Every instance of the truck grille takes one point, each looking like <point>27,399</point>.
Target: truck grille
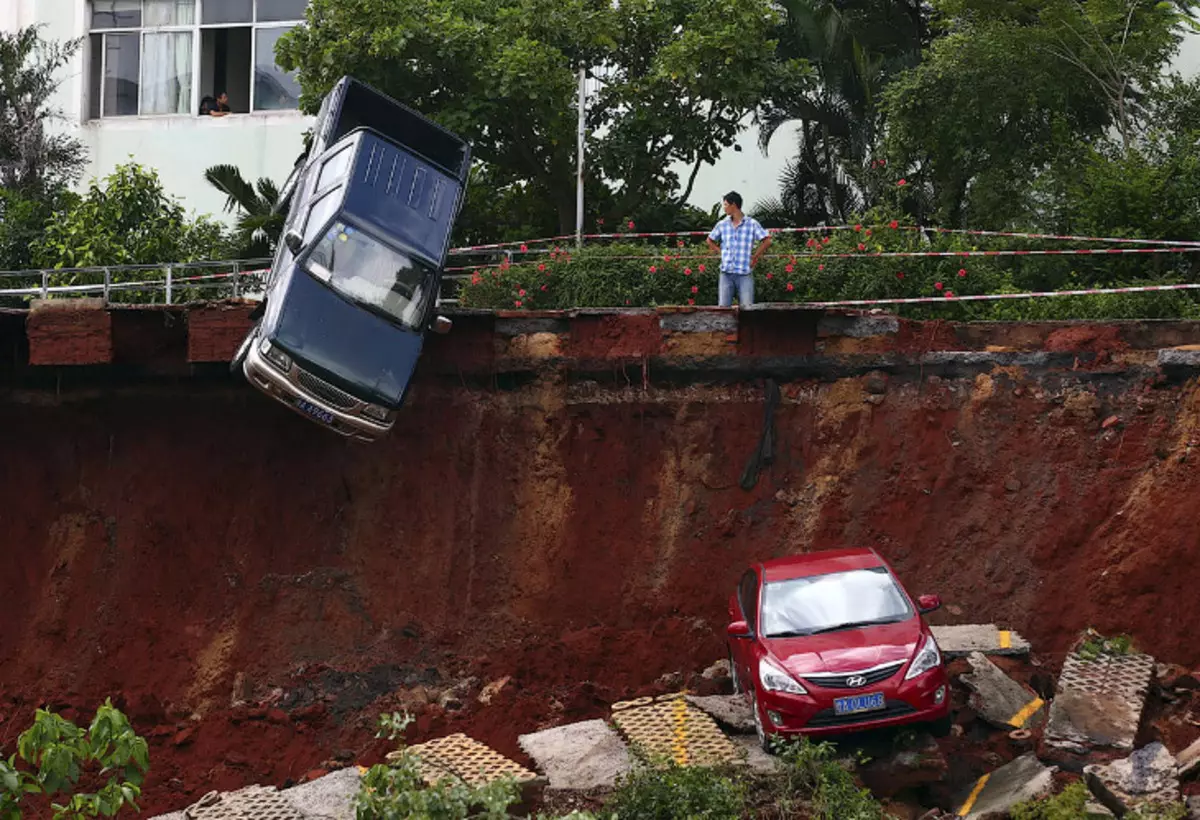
<point>840,681</point>
<point>324,390</point>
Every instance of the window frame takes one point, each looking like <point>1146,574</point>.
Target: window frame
<point>196,29</point>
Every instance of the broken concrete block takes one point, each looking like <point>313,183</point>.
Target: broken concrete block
<point>1189,761</point>
<point>1099,702</point>
<point>920,764</point>
<point>731,712</point>
<point>585,755</point>
<point>957,641</point>
<point>999,699</point>
<point>1145,777</point>
<point>1193,807</point>
<point>1096,811</point>
<point>330,797</point>
<point>1016,782</point>
<point>755,758</point>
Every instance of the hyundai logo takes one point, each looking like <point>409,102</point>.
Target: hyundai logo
<point>854,681</point>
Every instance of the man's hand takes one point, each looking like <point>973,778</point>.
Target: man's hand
<point>713,246</point>
<point>762,248</point>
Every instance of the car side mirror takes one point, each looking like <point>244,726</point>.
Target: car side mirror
<point>294,242</point>
<point>739,629</point>
<point>928,603</point>
<point>441,325</point>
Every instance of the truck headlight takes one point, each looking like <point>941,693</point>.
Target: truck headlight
<point>376,412</point>
<point>775,679</point>
<point>928,657</point>
<point>275,356</point>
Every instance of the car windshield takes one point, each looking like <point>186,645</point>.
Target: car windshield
<point>838,600</point>
<point>372,274</point>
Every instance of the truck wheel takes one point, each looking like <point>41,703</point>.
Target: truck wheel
<point>236,367</point>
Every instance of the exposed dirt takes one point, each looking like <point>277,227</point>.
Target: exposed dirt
<point>181,549</point>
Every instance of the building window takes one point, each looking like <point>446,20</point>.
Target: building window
<point>155,57</point>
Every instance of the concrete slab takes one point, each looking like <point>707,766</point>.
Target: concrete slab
<point>1099,702</point>
<point>999,699</point>
<point>963,639</point>
<point>731,712</point>
<point>329,798</point>
<point>994,794</point>
<point>1145,778</point>
<point>585,755</point>
<point>1189,761</point>
<point>752,755</point>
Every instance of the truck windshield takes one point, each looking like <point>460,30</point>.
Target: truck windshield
<point>370,273</point>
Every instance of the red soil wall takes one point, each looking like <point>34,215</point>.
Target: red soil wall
<point>181,548</point>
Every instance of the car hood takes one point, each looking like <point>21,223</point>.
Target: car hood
<point>848,650</point>
<point>343,343</point>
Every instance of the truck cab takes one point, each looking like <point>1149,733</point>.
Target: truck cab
<point>353,287</point>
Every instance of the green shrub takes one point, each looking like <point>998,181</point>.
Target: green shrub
<point>1096,645</point>
<point>673,792</point>
<point>1068,805</point>
<point>812,771</point>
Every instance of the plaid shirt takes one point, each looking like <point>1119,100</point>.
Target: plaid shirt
<point>737,244</point>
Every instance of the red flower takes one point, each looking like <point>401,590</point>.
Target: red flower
<point>893,224</point>
<point>820,267</point>
<point>938,286</point>
<point>521,292</point>
<point>666,257</point>
<point>626,301</point>
<point>475,280</point>
<point>861,246</point>
<point>902,183</point>
<point>542,266</point>
<point>789,268</point>
<point>700,268</point>
<point>524,247</point>
<point>691,301</point>
<point>868,231</point>
<point>949,294</point>
<point>687,271</point>
<point>543,287</point>
<point>695,288</point>
<point>825,241</point>
<point>679,244</point>
<point>810,243</point>
<point>790,286</point>
<point>962,272</point>
<point>653,269</point>
<point>883,162</point>
<point>899,274</point>
<point>770,276</point>
<point>600,221</point>
<point>517,303</point>
<point>857,228</point>
<point>631,224</point>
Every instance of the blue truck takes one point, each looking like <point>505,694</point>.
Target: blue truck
<point>354,284</point>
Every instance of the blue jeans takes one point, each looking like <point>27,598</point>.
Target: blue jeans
<point>744,282</point>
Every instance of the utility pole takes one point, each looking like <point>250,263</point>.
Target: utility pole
<point>579,158</point>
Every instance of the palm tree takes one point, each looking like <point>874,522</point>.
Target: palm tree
<point>855,47</point>
<point>258,226</point>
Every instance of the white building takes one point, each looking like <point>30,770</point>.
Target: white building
<point>135,91</point>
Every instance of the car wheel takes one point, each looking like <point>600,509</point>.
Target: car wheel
<point>236,367</point>
<point>738,689</point>
<point>759,729</point>
<point>942,726</point>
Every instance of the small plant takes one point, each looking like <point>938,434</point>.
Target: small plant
<point>398,789</point>
<point>60,753</point>
<point>811,770</point>
<point>1068,805</point>
<point>1096,645</point>
<point>674,792</point>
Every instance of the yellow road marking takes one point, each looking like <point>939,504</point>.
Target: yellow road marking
<point>680,718</point>
<point>1027,711</point>
<point>973,796</point>
<point>1005,639</point>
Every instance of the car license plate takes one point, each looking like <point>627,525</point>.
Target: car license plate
<point>314,411</point>
<point>858,703</point>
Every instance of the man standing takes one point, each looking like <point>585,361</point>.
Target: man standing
<point>738,235</point>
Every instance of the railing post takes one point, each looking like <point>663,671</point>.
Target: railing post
<point>45,284</point>
<point>169,268</point>
<point>237,278</point>
<point>107,283</point>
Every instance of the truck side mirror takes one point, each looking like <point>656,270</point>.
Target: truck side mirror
<point>294,242</point>
<point>441,325</point>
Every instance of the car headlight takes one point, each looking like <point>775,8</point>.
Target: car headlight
<point>376,412</point>
<point>927,658</point>
<point>775,679</point>
<point>275,356</point>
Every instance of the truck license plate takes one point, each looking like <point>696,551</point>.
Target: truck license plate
<point>858,703</point>
<point>314,411</point>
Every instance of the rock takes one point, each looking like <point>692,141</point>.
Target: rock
<point>920,764</point>
<point>999,699</point>
<point>585,755</point>
<point>755,758</point>
<point>1146,776</point>
<point>671,680</point>
<point>492,689</point>
<point>875,382</point>
<point>330,796</point>
<point>1021,780</point>
<point>720,669</point>
<point>731,712</point>
<point>1012,485</point>
<point>241,691</point>
<point>1188,761</point>
<point>1193,807</point>
<point>1096,811</point>
<point>875,399</point>
<point>183,737</point>
<point>1111,421</point>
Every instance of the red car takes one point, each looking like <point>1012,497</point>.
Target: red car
<point>831,642</point>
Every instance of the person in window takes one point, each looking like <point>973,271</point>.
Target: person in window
<point>218,107</point>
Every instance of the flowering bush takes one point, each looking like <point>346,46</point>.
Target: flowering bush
<point>829,266</point>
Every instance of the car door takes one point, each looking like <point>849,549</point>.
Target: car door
<point>742,649</point>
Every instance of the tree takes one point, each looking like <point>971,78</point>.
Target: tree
<point>677,79</point>
<point>258,225</point>
<point>128,220</point>
<point>54,754</point>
